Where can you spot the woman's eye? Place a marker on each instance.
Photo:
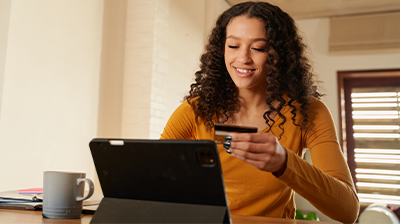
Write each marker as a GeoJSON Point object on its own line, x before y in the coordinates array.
{"type": "Point", "coordinates": [233, 47]}
{"type": "Point", "coordinates": [258, 49]}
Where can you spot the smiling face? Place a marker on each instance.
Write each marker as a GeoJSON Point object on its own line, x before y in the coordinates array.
{"type": "Point", "coordinates": [245, 53]}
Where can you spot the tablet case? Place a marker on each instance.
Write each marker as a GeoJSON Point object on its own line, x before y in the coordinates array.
{"type": "Point", "coordinates": [159, 181]}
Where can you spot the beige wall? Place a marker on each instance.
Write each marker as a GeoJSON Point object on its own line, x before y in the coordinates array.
{"type": "Point", "coordinates": [112, 69]}
{"type": "Point", "coordinates": [164, 40]}
{"type": "Point", "coordinates": [186, 43]}
{"type": "Point", "coordinates": [145, 67]}
{"type": "Point", "coordinates": [5, 7]}
{"type": "Point", "coordinates": [190, 24]}
{"type": "Point", "coordinates": [50, 93]}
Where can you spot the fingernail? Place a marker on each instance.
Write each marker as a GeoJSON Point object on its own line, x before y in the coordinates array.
{"type": "Point", "coordinates": [228, 151]}
{"type": "Point", "coordinates": [227, 145]}
{"type": "Point", "coordinates": [228, 137]}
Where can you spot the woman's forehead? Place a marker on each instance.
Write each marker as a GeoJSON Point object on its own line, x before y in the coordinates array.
{"type": "Point", "coordinates": [243, 26]}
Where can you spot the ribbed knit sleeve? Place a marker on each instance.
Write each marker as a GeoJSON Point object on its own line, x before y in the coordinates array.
{"type": "Point", "coordinates": [327, 183]}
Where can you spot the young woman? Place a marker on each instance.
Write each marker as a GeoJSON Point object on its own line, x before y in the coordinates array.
{"type": "Point", "coordinates": [254, 72]}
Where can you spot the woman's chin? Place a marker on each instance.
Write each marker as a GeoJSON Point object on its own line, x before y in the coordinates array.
{"type": "Point", "coordinates": [245, 87]}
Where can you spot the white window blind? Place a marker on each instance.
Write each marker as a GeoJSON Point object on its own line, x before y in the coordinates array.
{"type": "Point", "coordinates": [376, 118]}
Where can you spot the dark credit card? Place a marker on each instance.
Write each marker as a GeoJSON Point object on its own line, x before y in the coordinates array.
{"type": "Point", "coordinates": [222, 130]}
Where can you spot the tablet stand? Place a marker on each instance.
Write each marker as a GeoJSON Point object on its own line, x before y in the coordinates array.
{"type": "Point", "coordinates": [117, 210]}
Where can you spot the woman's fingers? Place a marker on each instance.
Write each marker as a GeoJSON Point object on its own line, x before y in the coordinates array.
{"type": "Point", "coordinates": [262, 165]}
{"type": "Point", "coordinates": [255, 143]}
{"type": "Point", "coordinates": [247, 155]}
{"type": "Point", "coordinates": [254, 137]}
{"type": "Point", "coordinates": [262, 150]}
{"type": "Point", "coordinates": [252, 147]}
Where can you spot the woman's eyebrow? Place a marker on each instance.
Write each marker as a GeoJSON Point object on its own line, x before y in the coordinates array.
{"type": "Point", "coordinates": [254, 39]}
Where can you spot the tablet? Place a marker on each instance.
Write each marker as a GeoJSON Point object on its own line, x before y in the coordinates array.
{"type": "Point", "coordinates": [159, 181]}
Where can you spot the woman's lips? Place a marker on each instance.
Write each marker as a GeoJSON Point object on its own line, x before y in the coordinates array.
{"type": "Point", "coordinates": [241, 72]}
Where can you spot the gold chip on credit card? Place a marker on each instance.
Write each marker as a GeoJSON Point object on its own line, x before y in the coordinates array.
{"type": "Point", "coordinates": [222, 130]}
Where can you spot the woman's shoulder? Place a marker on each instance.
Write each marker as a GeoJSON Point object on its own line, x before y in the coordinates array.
{"type": "Point", "coordinates": [316, 109]}
{"type": "Point", "coordinates": [188, 104]}
{"type": "Point", "coordinates": [319, 113]}
{"type": "Point", "coordinates": [181, 123]}
{"type": "Point", "coordinates": [186, 109]}
{"type": "Point", "coordinates": [314, 103]}
{"type": "Point", "coordinates": [318, 105]}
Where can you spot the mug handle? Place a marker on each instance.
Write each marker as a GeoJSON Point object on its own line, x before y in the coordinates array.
{"type": "Point", "coordinates": [91, 188]}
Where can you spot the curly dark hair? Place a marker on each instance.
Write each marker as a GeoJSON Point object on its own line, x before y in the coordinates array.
{"type": "Point", "coordinates": [289, 70]}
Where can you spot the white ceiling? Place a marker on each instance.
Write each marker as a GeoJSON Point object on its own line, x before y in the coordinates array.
{"type": "Point", "coordinates": [303, 9]}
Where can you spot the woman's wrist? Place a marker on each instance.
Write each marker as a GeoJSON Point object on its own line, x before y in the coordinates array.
{"type": "Point", "coordinates": [282, 169]}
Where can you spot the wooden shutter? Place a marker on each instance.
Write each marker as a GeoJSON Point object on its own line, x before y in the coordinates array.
{"type": "Point", "coordinates": [370, 108]}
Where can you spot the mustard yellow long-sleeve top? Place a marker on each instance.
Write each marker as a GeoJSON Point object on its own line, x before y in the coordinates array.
{"type": "Point", "coordinates": [327, 183]}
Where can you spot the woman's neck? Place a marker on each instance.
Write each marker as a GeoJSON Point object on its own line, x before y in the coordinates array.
{"type": "Point", "coordinates": [252, 108]}
{"type": "Point", "coordinates": [252, 100]}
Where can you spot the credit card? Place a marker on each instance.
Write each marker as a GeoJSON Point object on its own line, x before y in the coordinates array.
{"type": "Point", "coordinates": [222, 130]}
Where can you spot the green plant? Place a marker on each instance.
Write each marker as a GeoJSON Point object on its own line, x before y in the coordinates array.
{"type": "Point", "coordinates": [309, 216]}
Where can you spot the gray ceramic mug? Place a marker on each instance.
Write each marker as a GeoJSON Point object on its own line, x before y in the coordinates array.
{"type": "Point", "coordinates": [63, 194]}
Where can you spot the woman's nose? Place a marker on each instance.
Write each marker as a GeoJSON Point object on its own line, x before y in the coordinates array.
{"type": "Point", "coordinates": [244, 56]}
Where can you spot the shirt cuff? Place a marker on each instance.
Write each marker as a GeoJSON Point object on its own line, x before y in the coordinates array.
{"type": "Point", "coordinates": [280, 173]}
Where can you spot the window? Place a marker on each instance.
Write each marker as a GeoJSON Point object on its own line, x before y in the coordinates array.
{"type": "Point", "coordinates": [370, 133]}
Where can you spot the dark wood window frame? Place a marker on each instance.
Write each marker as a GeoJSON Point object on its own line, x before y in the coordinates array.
{"type": "Point", "coordinates": [355, 79]}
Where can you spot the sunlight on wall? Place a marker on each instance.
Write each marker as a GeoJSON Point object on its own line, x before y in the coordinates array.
{"type": "Point", "coordinates": [50, 93]}
{"type": "Point", "coordinates": [5, 7]}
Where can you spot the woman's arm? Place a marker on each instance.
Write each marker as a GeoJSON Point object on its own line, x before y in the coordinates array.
{"type": "Point", "coordinates": [327, 183]}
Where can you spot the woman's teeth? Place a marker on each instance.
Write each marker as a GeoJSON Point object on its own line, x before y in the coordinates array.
{"type": "Point", "coordinates": [243, 70]}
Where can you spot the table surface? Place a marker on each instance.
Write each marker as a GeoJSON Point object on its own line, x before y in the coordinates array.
{"type": "Point", "coordinates": [21, 216]}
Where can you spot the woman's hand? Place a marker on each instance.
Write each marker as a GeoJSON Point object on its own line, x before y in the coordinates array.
{"type": "Point", "coordinates": [262, 150]}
